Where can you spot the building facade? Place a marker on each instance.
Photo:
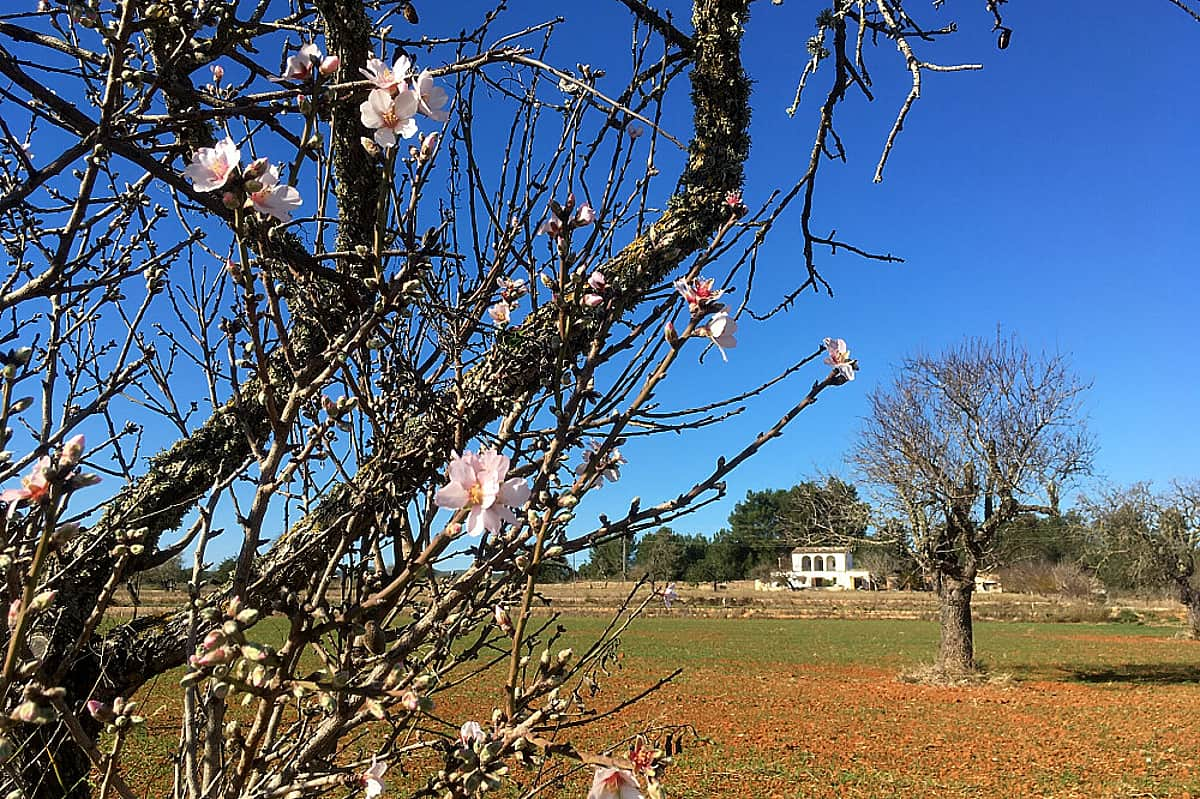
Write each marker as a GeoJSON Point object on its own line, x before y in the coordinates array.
{"type": "Point", "coordinates": [823, 567]}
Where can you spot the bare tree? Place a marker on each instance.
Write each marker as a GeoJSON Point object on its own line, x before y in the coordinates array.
{"type": "Point", "coordinates": [961, 443]}
{"type": "Point", "coordinates": [1157, 535]}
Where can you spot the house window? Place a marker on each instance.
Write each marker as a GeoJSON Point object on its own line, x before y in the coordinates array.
{"type": "Point", "coordinates": [818, 564]}
{"type": "Point", "coordinates": [805, 564]}
{"type": "Point", "coordinates": [831, 563]}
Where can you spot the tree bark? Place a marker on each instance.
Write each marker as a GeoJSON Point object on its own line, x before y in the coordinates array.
{"type": "Point", "coordinates": [956, 649]}
{"type": "Point", "coordinates": [1190, 597]}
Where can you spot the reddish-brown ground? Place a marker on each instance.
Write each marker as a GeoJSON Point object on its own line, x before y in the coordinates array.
{"type": "Point", "coordinates": [794, 708]}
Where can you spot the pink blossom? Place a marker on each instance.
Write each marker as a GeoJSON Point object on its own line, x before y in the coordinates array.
{"type": "Point", "coordinates": [502, 620]}
{"type": "Point", "coordinates": [609, 469]}
{"type": "Point", "coordinates": [372, 779]}
{"type": "Point", "coordinates": [471, 733]}
{"type": "Point", "coordinates": [390, 80]}
{"type": "Point", "coordinates": [329, 65]}
{"type": "Point", "coordinates": [721, 329]}
{"type": "Point", "coordinates": [34, 488]}
{"type": "Point", "coordinates": [635, 131]}
{"type": "Point", "coordinates": [699, 293]}
{"type": "Point", "coordinates": [501, 312]}
{"type": "Point", "coordinates": [299, 66]}
{"type": "Point", "coordinates": [218, 72]}
{"type": "Point", "coordinates": [433, 98]}
{"type": "Point", "coordinates": [640, 755]}
{"type": "Point", "coordinates": [273, 198]}
{"type": "Point", "coordinates": [410, 701]}
{"type": "Point", "coordinates": [733, 199]}
{"type": "Point", "coordinates": [477, 482]}
{"type": "Point", "coordinates": [585, 215]}
{"type": "Point", "coordinates": [513, 290]}
{"type": "Point", "coordinates": [552, 227]}
{"type": "Point", "coordinates": [390, 115]}
{"type": "Point", "coordinates": [211, 166]}
{"type": "Point", "coordinates": [839, 357]}
{"type": "Point", "coordinates": [614, 783]}
{"type": "Point", "coordinates": [14, 613]}
{"type": "Point", "coordinates": [598, 285]}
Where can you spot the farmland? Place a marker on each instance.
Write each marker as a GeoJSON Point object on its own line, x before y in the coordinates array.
{"type": "Point", "coordinates": [800, 707]}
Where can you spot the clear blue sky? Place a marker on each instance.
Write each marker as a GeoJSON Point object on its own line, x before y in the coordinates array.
{"type": "Point", "coordinates": [1054, 194]}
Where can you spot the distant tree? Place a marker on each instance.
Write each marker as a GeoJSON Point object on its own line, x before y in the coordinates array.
{"type": "Point", "coordinates": [556, 570]}
{"type": "Point", "coordinates": [610, 559]}
{"type": "Point", "coordinates": [963, 443]}
{"type": "Point", "coordinates": [1159, 534]}
{"type": "Point", "coordinates": [772, 521]}
{"type": "Point", "coordinates": [1030, 538]}
{"type": "Point", "coordinates": [726, 558]}
{"type": "Point", "coordinates": [694, 550]}
{"type": "Point", "coordinates": [222, 572]}
{"type": "Point", "coordinates": [660, 555]}
{"type": "Point", "coordinates": [166, 576]}
{"type": "Point", "coordinates": [824, 514]}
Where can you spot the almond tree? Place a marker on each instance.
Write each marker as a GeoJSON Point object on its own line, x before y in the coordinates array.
{"type": "Point", "coordinates": [963, 442]}
{"type": "Point", "coordinates": [1159, 533]}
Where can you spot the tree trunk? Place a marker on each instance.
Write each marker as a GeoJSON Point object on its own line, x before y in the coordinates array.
{"type": "Point", "coordinates": [1190, 597]}
{"type": "Point", "coordinates": [956, 650]}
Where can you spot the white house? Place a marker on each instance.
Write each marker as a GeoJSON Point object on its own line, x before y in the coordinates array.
{"type": "Point", "coordinates": [823, 567]}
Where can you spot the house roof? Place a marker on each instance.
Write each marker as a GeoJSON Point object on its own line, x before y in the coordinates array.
{"type": "Point", "coordinates": [821, 550]}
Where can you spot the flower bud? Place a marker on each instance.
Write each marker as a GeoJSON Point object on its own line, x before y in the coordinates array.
{"type": "Point", "coordinates": [257, 168]}
{"type": "Point", "coordinates": [64, 534]}
{"type": "Point", "coordinates": [502, 620]}
{"type": "Point", "coordinates": [218, 72]}
{"type": "Point", "coordinates": [100, 711]}
{"type": "Point", "coordinates": [31, 712]}
{"type": "Point", "coordinates": [42, 601]}
{"type": "Point", "coordinates": [670, 335]}
{"type": "Point", "coordinates": [83, 481]}
{"type": "Point", "coordinates": [370, 146]}
{"type": "Point", "coordinates": [72, 451]}
{"type": "Point", "coordinates": [428, 146]}
{"type": "Point", "coordinates": [329, 65]}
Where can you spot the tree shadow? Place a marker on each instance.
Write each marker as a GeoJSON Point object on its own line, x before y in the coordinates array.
{"type": "Point", "coordinates": [1139, 674]}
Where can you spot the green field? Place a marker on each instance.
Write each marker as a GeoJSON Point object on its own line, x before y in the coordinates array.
{"type": "Point", "coordinates": [813, 708]}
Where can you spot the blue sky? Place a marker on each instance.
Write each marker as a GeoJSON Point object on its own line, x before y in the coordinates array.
{"type": "Point", "coordinates": [1054, 194]}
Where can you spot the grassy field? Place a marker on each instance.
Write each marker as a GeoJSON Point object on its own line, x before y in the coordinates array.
{"type": "Point", "coordinates": [813, 708]}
